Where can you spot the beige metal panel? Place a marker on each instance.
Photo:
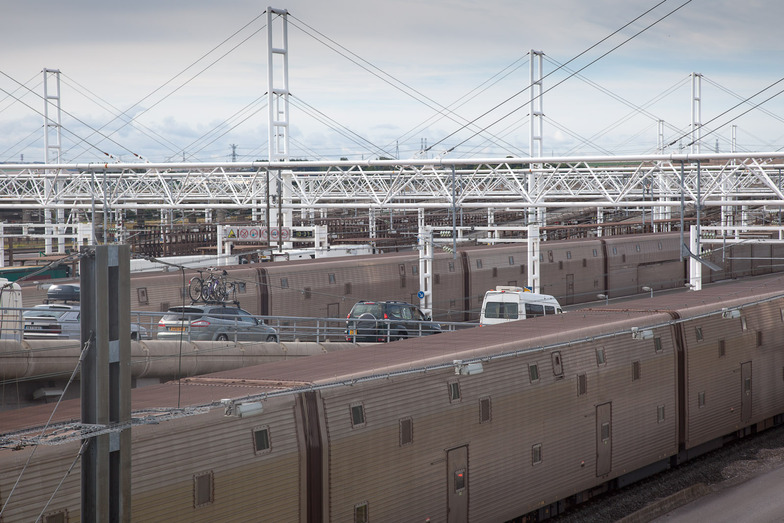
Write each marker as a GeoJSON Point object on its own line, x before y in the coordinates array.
{"type": "Point", "coordinates": [39, 482]}
{"type": "Point", "coordinates": [714, 393]}
{"type": "Point", "coordinates": [369, 278]}
{"type": "Point", "coordinates": [366, 461]}
{"type": "Point", "coordinates": [583, 260]}
{"type": "Point", "coordinates": [266, 485]}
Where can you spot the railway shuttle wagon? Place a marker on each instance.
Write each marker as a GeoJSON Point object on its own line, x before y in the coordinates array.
{"type": "Point", "coordinates": [486, 424]}
{"type": "Point", "coordinates": [573, 271]}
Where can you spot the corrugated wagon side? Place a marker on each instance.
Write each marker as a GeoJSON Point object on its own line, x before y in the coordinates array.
{"type": "Point", "coordinates": [527, 431]}
{"type": "Point", "coordinates": [734, 367]}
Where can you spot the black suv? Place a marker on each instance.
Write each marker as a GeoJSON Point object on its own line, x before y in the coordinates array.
{"type": "Point", "coordinates": [387, 321]}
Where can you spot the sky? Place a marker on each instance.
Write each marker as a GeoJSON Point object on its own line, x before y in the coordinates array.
{"type": "Point", "coordinates": [187, 81]}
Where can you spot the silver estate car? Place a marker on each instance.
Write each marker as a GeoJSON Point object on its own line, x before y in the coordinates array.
{"type": "Point", "coordinates": [213, 322]}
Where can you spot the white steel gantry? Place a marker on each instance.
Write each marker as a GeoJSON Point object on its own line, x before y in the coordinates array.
{"type": "Point", "coordinates": [608, 182]}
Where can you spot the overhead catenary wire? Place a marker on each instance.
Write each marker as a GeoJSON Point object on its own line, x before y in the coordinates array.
{"type": "Point", "coordinates": [193, 64]}
{"type": "Point", "coordinates": [635, 35]}
{"type": "Point", "coordinates": [443, 111]}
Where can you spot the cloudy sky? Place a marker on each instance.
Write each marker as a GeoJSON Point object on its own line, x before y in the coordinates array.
{"type": "Point", "coordinates": [178, 80]}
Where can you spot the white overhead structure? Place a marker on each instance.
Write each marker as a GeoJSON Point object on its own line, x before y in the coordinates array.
{"type": "Point", "coordinates": [748, 179]}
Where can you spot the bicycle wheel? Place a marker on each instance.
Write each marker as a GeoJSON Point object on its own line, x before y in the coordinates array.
{"type": "Point", "coordinates": [219, 291]}
{"type": "Point", "coordinates": [195, 287]}
{"type": "Point", "coordinates": [207, 290]}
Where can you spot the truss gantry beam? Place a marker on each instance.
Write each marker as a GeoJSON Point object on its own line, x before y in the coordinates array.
{"type": "Point", "coordinates": [720, 180]}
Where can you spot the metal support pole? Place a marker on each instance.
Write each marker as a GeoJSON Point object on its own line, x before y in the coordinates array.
{"type": "Point", "coordinates": [106, 382]}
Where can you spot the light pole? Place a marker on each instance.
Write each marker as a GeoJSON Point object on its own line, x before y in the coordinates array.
{"type": "Point", "coordinates": [604, 297]}
{"type": "Point", "coordinates": [648, 289]}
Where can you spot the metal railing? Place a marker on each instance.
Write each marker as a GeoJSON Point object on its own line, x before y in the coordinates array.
{"type": "Point", "coordinates": [14, 325]}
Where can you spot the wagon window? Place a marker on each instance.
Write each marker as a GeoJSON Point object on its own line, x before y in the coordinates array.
{"type": "Point", "coordinates": [361, 513]}
{"type": "Point", "coordinates": [759, 338]}
{"type": "Point", "coordinates": [637, 247]}
{"type": "Point", "coordinates": [615, 250]}
{"type": "Point", "coordinates": [451, 266]}
{"type": "Point", "coordinates": [307, 293]}
{"type": "Point", "coordinates": [61, 516]}
{"type": "Point", "coordinates": [657, 344]}
{"type": "Point", "coordinates": [722, 348]}
{"type": "Point", "coordinates": [698, 332]}
{"type": "Point", "coordinates": [478, 264]}
{"type": "Point", "coordinates": [284, 283]}
{"type": "Point", "coordinates": [261, 440]}
{"type": "Point", "coordinates": [454, 391]}
{"type": "Point", "coordinates": [533, 372]}
{"type": "Point", "coordinates": [557, 364]}
{"type": "Point", "coordinates": [595, 253]}
{"type": "Point", "coordinates": [331, 277]}
{"type": "Point", "coordinates": [660, 413]}
{"type": "Point", "coordinates": [511, 260]}
{"type": "Point", "coordinates": [536, 454]}
{"type": "Point", "coordinates": [605, 431]}
{"type": "Point", "coordinates": [600, 357]}
{"type": "Point", "coordinates": [743, 325]}
{"type": "Point", "coordinates": [568, 255]}
{"type": "Point", "coordinates": [357, 415]}
{"type": "Point", "coordinates": [484, 410]}
{"type": "Point", "coordinates": [202, 489]}
{"type": "Point", "coordinates": [406, 431]}
{"type": "Point", "coordinates": [459, 480]}
{"type": "Point", "coordinates": [347, 288]}
{"type": "Point", "coordinates": [635, 370]}
{"type": "Point", "coordinates": [701, 399]}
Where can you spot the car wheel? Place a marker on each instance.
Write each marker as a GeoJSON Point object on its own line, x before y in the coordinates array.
{"type": "Point", "coordinates": [272, 338]}
{"type": "Point", "coordinates": [134, 336]}
{"type": "Point", "coordinates": [222, 337]}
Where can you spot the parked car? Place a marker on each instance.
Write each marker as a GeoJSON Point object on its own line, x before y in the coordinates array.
{"type": "Point", "coordinates": [213, 322]}
{"type": "Point", "coordinates": [508, 303]}
{"type": "Point", "coordinates": [61, 321]}
{"type": "Point", "coordinates": [387, 321]}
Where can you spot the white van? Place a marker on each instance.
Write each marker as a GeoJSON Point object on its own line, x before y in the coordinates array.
{"type": "Point", "coordinates": [507, 303]}
{"type": "Point", "coordinates": [10, 310]}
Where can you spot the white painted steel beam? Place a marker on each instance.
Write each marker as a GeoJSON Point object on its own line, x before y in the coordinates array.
{"type": "Point", "coordinates": [590, 182]}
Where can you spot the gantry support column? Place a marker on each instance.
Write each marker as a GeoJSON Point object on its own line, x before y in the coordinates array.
{"type": "Point", "coordinates": [106, 382]}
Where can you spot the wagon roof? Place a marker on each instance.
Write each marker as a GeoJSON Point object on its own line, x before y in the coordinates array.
{"type": "Point", "coordinates": [426, 352]}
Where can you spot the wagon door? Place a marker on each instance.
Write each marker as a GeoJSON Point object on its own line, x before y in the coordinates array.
{"type": "Point", "coordinates": [603, 439]}
{"type": "Point", "coordinates": [745, 402]}
{"type": "Point", "coordinates": [457, 485]}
